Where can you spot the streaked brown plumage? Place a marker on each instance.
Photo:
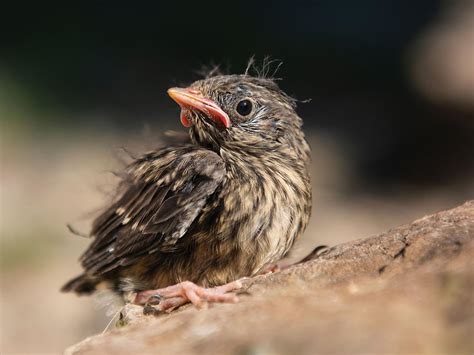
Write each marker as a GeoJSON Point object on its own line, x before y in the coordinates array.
{"type": "Point", "coordinates": [216, 208]}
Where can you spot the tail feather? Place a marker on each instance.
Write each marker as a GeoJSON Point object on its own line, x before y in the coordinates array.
{"type": "Point", "coordinates": [82, 284]}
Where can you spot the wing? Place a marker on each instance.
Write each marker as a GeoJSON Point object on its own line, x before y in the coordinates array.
{"type": "Point", "coordinates": [163, 193]}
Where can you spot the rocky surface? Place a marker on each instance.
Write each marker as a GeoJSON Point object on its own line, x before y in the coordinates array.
{"type": "Point", "coordinates": [409, 290]}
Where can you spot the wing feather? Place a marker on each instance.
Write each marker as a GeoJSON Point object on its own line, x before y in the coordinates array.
{"type": "Point", "coordinates": [162, 195]}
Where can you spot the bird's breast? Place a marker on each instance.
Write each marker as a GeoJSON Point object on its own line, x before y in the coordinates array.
{"type": "Point", "coordinates": [264, 209]}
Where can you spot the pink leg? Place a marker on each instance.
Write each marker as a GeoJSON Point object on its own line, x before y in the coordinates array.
{"type": "Point", "coordinates": [172, 297]}
{"type": "Point", "coordinates": [271, 268]}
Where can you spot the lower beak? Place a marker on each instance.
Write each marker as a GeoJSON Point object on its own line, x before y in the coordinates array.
{"type": "Point", "coordinates": [190, 99]}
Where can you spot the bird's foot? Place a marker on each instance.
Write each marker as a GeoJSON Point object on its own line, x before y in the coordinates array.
{"type": "Point", "coordinates": [172, 297]}
{"type": "Point", "coordinates": [279, 266]}
{"type": "Point", "coordinates": [271, 268]}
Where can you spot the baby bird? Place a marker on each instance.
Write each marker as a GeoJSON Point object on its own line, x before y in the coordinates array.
{"type": "Point", "coordinates": [192, 218]}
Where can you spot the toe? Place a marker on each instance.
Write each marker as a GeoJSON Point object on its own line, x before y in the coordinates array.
{"type": "Point", "coordinates": [172, 303]}
{"type": "Point", "coordinates": [222, 298]}
{"type": "Point", "coordinates": [231, 286]}
{"type": "Point", "coordinates": [213, 295]}
{"type": "Point", "coordinates": [192, 295]}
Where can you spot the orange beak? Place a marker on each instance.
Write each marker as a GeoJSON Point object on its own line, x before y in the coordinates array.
{"type": "Point", "coordinates": [189, 99]}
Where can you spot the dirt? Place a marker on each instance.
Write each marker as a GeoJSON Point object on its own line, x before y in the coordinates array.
{"type": "Point", "coordinates": [409, 290]}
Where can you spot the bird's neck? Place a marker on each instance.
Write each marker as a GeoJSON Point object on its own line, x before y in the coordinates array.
{"type": "Point", "coordinates": [254, 161]}
{"type": "Point", "coordinates": [248, 155]}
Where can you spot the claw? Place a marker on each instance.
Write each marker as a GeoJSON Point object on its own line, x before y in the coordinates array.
{"type": "Point", "coordinates": [155, 299]}
{"type": "Point", "coordinates": [150, 310]}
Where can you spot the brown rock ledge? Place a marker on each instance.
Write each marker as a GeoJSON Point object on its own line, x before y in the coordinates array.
{"type": "Point", "coordinates": [409, 290]}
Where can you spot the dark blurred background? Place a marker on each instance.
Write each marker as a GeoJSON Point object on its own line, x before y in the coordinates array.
{"type": "Point", "coordinates": [391, 120]}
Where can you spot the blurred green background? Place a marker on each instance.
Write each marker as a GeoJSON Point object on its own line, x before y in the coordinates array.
{"type": "Point", "coordinates": [390, 121]}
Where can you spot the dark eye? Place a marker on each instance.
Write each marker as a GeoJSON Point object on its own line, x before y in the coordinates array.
{"type": "Point", "coordinates": [244, 107]}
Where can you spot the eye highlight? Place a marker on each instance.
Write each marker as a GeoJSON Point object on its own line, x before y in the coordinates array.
{"type": "Point", "coordinates": [244, 107]}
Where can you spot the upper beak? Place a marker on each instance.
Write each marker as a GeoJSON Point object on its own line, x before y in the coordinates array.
{"type": "Point", "coordinates": [194, 100]}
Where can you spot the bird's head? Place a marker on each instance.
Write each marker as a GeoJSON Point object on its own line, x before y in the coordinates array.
{"type": "Point", "coordinates": [238, 111]}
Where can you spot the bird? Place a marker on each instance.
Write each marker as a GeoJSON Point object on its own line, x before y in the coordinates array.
{"type": "Point", "coordinates": [192, 218]}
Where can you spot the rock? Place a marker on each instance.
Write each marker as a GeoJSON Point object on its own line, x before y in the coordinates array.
{"type": "Point", "coordinates": [409, 290]}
